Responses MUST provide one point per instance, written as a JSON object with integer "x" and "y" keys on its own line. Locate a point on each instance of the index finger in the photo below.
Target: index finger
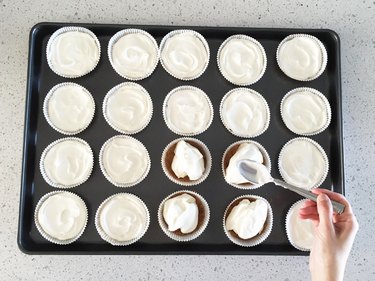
{"x": 337, "y": 197}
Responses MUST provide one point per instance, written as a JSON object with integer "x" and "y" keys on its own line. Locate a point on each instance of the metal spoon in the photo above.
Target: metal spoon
{"x": 258, "y": 174}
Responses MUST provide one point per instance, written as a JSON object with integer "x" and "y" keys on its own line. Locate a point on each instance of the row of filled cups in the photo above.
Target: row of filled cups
{"x": 69, "y": 108}
{"x": 134, "y": 54}
{"x": 123, "y": 218}
{"x": 125, "y": 162}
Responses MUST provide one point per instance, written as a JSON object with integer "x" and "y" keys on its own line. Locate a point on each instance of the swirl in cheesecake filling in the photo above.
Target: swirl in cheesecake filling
{"x": 123, "y": 217}
{"x": 135, "y": 55}
{"x": 62, "y": 215}
{"x": 185, "y": 55}
{"x": 242, "y": 61}
{"x": 188, "y": 110}
{"x": 73, "y": 53}
{"x": 68, "y": 162}
{"x": 125, "y": 160}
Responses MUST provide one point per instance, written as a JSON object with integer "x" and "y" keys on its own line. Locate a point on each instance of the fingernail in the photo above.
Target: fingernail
{"x": 322, "y": 197}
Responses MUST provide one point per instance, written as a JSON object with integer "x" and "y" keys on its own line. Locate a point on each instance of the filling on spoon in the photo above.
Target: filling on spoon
{"x": 239, "y": 152}
{"x": 254, "y": 172}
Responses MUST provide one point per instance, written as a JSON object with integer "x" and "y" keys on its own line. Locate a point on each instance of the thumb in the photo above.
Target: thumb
{"x": 325, "y": 212}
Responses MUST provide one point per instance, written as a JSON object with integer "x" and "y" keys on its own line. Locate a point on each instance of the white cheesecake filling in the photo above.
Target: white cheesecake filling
{"x": 62, "y": 216}
{"x": 304, "y": 112}
{"x": 300, "y": 231}
{"x": 262, "y": 174}
{"x": 301, "y": 163}
{"x": 245, "y": 112}
{"x": 68, "y": 162}
{"x": 184, "y": 55}
{"x": 187, "y": 110}
{"x": 300, "y": 58}
{"x": 124, "y": 160}
{"x": 73, "y": 53}
{"x": 242, "y": 61}
{"x": 70, "y": 107}
{"x": 128, "y": 108}
{"x": 187, "y": 161}
{"x": 181, "y": 213}
{"x": 246, "y": 151}
{"x": 134, "y": 55}
{"x": 123, "y": 217}
{"x": 247, "y": 219}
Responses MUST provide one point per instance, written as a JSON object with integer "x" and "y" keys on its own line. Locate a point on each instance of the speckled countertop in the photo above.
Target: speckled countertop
{"x": 353, "y": 22}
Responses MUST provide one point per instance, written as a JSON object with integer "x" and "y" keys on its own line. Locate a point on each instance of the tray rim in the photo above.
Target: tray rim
{"x": 30, "y": 67}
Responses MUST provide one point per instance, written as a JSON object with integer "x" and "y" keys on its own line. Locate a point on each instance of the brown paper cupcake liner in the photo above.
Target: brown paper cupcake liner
{"x": 122, "y": 33}
{"x": 315, "y": 92}
{"x": 69, "y": 29}
{"x": 104, "y": 108}
{"x": 287, "y": 228}
{"x": 108, "y": 177}
{"x": 167, "y": 166}
{"x": 46, "y": 113}
{"x": 201, "y": 225}
{"x": 180, "y": 31}
{"x": 320, "y": 44}
{"x": 266, "y": 125}
{"x": 256, "y": 240}
{"x": 232, "y": 149}
{"x": 46, "y": 150}
{"x": 321, "y": 150}
{"x": 109, "y": 239}
{"x": 251, "y": 39}
{"x": 46, "y": 235}
{"x": 165, "y": 103}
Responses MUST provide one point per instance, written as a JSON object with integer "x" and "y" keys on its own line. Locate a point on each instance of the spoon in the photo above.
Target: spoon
{"x": 257, "y": 173}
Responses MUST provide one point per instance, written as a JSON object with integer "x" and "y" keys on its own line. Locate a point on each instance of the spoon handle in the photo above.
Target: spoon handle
{"x": 337, "y": 207}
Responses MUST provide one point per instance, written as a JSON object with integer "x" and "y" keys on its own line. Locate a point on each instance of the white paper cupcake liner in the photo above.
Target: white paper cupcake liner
{"x": 123, "y": 33}
{"x": 321, "y": 150}
{"x": 46, "y": 235}
{"x": 207, "y": 158}
{"x": 46, "y": 113}
{"x": 201, "y": 226}
{"x": 320, "y": 44}
{"x": 315, "y": 92}
{"x": 109, "y": 239}
{"x": 251, "y": 39}
{"x": 69, "y": 29}
{"x": 105, "y": 111}
{"x": 287, "y": 228}
{"x": 256, "y": 240}
{"x": 266, "y": 125}
{"x": 108, "y": 177}
{"x": 165, "y": 104}
{"x": 180, "y": 31}
{"x": 267, "y": 163}
{"x": 46, "y": 150}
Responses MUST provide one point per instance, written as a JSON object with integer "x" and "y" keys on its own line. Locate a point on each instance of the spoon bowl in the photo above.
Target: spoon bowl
{"x": 257, "y": 173}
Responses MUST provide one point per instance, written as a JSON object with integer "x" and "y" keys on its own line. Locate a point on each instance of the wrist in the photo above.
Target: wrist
{"x": 328, "y": 271}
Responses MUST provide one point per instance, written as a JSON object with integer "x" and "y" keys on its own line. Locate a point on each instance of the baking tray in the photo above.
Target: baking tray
{"x": 273, "y": 86}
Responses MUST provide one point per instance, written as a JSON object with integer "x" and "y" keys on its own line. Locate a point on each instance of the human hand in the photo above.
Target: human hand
{"x": 333, "y": 238}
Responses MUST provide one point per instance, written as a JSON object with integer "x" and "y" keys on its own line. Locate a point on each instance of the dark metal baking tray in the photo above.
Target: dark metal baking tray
{"x": 273, "y": 86}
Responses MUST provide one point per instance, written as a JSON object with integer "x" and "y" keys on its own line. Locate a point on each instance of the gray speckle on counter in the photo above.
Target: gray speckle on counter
{"x": 354, "y": 23}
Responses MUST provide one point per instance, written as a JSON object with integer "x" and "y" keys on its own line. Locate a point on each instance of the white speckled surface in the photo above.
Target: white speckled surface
{"x": 355, "y": 25}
